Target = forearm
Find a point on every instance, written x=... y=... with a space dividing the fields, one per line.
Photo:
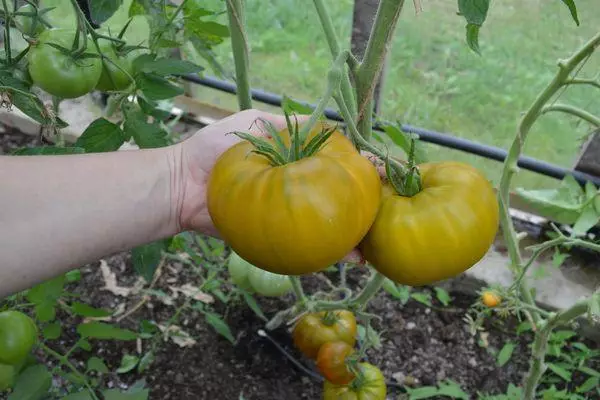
x=58 y=213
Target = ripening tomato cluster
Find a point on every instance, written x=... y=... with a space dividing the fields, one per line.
x=303 y=216
x=18 y=335
x=328 y=338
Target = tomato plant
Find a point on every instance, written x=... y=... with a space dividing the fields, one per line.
x=253 y=279
x=334 y=362
x=62 y=75
x=439 y=232
x=315 y=329
x=18 y=335
x=298 y=217
x=368 y=385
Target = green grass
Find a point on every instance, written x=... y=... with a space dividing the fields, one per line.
x=433 y=80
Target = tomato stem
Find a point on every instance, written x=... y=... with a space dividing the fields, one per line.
x=369 y=70
x=239 y=44
x=298 y=290
x=8 y=18
x=371 y=288
x=334 y=47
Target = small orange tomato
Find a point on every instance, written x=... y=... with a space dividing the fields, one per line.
x=490 y=299
x=332 y=362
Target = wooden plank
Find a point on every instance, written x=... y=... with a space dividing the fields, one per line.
x=589 y=158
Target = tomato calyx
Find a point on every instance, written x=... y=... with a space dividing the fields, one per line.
x=277 y=152
x=407 y=182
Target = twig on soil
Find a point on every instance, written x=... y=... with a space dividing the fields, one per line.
x=146 y=297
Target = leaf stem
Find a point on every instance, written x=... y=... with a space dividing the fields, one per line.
x=7 y=19
x=64 y=361
x=576 y=111
x=298 y=291
x=370 y=68
x=239 y=44
x=510 y=164
x=334 y=47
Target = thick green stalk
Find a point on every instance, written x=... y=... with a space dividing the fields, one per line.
x=7 y=19
x=334 y=47
x=298 y=291
x=371 y=288
x=370 y=68
x=540 y=346
x=239 y=44
x=510 y=164
x=333 y=83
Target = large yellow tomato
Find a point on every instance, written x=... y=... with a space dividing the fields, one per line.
x=438 y=233
x=299 y=217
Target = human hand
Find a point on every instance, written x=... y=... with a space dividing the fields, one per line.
x=196 y=157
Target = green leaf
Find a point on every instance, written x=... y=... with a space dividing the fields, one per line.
x=589 y=371
x=83 y=395
x=402 y=140
x=146 y=258
x=505 y=353
x=87 y=311
x=424 y=298
x=452 y=389
x=47 y=151
x=291 y=106
x=101 y=330
x=97 y=364
x=561 y=336
x=101 y=10
x=587 y=220
x=84 y=345
x=73 y=276
x=145 y=362
x=115 y=394
x=560 y=371
x=100 y=136
x=589 y=384
x=52 y=331
x=442 y=295
x=563 y=205
x=128 y=363
x=400 y=292
x=45 y=296
x=523 y=327
x=475 y=12
x=219 y=325
x=156 y=87
x=146 y=135
x=254 y=305
x=572 y=9
x=559 y=258
x=32 y=384
x=151 y=108
x=472 y=34
x=170 y=66
x=210 y=32
x=33 y=107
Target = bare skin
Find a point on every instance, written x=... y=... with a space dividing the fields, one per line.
x=58 y=213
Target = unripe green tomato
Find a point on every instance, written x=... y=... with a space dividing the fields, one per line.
x=28 y=24
x=7 y=377
x=268 y=283
x=253 y=279
x=238 y=270
x=120 y=79
x=18 y=335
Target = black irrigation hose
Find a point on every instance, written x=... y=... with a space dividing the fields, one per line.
x=442 y=139
x=314 y=375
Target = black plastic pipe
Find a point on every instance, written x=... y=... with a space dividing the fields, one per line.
x=442 y=139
